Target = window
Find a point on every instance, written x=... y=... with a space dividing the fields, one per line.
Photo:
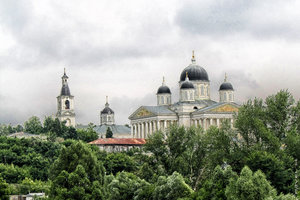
x=202 y=90
x=225 y=97
x=162 y=100
x=230 y=97
x=67 y=104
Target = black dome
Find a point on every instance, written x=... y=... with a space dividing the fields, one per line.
x=195 y=72
x=163 y=90
x=187 y=85
x=65 y=90
x=107 y=110
x=226 y=86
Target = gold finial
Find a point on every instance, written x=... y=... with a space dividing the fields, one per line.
x=186 y=75
x=193 y=57
x=225 y=79
x=106 y=99
x=64 y=70
x=163 y=79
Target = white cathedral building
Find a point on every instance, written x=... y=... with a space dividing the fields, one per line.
x=194 y=107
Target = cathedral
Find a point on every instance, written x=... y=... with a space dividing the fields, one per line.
x=194 y=108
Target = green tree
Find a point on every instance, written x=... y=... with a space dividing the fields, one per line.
x=88 y=134
x=128 y=186
x=109 y=133
x=249 y=186
x=214 y=187
x=117 y=162
x=278 y=170
x=4 y=190
x=74 y=172
x=33 y=125
x=171 y=187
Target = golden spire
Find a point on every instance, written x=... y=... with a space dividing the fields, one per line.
x=64 y=70
x=106 y=99
x=225 y=79
x=193 y=57
x=186 y=75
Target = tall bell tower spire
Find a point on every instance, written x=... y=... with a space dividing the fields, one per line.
x=65 y=103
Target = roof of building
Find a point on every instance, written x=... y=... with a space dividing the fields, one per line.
x=119 y=141
x=26 y=135
x=65 y=90
x=226 y=86
x=116 y=129
x=159 y=109
x=195 y=72
x=107 y=110
x=216 y=105
x=187 y=85
x=163 y=90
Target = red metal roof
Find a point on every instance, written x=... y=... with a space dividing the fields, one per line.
x=119 y=141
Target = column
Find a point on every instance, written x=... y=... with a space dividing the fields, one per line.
x=231 y=123
x=158 y=125
x=204 y=124
x=211 y=121
x=165 y=124
x=138 y=130
x=150 y=131
x=146 y=130
x=218 y=122
x=196 y=122
x=132 y=129
x=142 y=130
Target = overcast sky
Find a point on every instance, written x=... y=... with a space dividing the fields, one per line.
x=123 y=49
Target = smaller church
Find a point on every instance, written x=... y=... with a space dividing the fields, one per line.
x=65 y=103
x=107 y=120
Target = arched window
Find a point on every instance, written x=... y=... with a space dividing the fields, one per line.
x=202 y=90
x=225 y=97
x=207 y=91
x=67 y=104
x=186 y=95
x=162 y=100
x=230 y=97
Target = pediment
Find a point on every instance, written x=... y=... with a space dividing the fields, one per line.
x=141 y=113
x=225 y=108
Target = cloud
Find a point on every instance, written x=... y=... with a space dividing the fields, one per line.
x=261 y=19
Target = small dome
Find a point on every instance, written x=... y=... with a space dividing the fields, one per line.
x=107 y=110
x=163 y=90
x=226 y=86
x=187 y=85
x=196 y=73
x=65 y=90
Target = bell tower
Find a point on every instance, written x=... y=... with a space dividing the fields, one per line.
x=65 y=103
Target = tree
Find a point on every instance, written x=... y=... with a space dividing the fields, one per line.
x=88 y=134
x=171 y=187
x=33 y=125
x=214 y=187
x=249 y=186
x=109 y=133
x=117 y=162
x=4 y=190
x=128 y=186
x=278 y=170
x=75 y=172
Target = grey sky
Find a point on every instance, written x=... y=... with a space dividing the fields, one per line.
x=123 y=49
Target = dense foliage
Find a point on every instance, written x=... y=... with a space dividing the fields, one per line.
x=257 y=159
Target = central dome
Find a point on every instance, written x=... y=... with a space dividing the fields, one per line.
x=195 y=72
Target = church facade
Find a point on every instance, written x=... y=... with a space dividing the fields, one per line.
x=194 y=108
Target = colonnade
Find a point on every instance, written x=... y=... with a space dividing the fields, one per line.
x=205 y=123
x=144 y=128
